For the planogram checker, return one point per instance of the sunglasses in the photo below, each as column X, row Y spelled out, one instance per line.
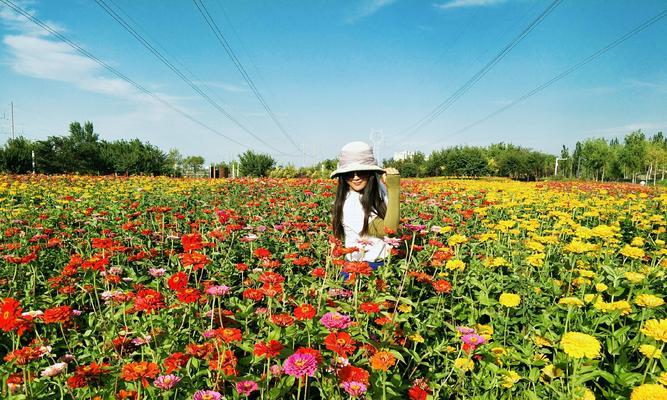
column 361, row 174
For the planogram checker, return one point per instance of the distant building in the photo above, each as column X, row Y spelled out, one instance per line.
column 403, row 155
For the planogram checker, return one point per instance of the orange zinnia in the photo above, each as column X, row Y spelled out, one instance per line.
column 382, row 360
column 140, row 370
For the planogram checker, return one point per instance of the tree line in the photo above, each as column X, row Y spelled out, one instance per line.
column 82, row 152
column 637, row 157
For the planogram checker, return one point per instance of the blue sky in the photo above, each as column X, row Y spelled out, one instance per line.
column 334, row 72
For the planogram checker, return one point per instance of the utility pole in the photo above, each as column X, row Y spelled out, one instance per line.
column 556, row 167
column 12, row 103
column 377, row 139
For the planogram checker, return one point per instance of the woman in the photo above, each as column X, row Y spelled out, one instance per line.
column 366, row 203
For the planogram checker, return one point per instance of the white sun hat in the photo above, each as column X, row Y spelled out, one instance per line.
column 356, row 156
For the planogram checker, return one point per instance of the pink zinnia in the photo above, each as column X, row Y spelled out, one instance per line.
column 300, row 365
column 354, row 388
column 335, row 320
column 207, row 395
column 166, row 382
column 246, row 387
column 219, row 290
column 473, row 339
column 276, row 370
column 464, row 330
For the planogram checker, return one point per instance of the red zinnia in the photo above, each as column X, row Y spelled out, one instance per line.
column 442, row 286
column 10, row 313
column 148, row 300
column 191, row 241
column 350, row 373
column 175, row 362
column 340, row 343
column 140, row 370
column 229, row 335
column 196, row 260
column 57, row 314
column 282, row 319
column 304, row 312
column 253, row 294
column 262, row 253
column 370, row 308
column 188, row 295
column 178, row 281
column 271, row 277
column 270, row 349
column 417, row 393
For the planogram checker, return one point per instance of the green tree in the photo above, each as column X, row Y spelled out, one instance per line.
column 17, row 156
column 255, row 164
column 596, row 157
column 633, row 155
column 193, row 164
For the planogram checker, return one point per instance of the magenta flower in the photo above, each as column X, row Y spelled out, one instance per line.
column 300, row 365
column 219, row 290
column 246, row 387
column 166, row 382
column 276, row 370
column 354, row 389
column 335, row 320
column 464, row 330
column 207, row 395
column 473, row 339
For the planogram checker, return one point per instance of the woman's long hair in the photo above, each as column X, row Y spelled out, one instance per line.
column 371, row 202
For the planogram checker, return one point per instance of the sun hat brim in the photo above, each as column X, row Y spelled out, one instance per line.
column 356, row 167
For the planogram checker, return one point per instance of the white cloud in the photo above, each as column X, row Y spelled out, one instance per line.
column 368, row 8
column 36, row 53
column 466, row 3
column 227, row 87
column 646, row 127
column 660, row 87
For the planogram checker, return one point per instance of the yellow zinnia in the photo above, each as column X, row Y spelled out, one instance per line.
column 650, row 351
column 656, row 329
column 550, row 372
column 578, row 345
column 634, row 277
column 456, row 240
column 649, row 300
column 509, row 379
column 570, row 301
column 662, row 379
column 455, row 265
column 464, row 364
column 510, row 299
column 632, row 252
column 584, row 394
column 649, row 391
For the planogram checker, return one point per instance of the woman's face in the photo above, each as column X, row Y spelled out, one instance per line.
column 357, row 180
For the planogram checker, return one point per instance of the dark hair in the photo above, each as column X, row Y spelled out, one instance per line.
column 371, row 201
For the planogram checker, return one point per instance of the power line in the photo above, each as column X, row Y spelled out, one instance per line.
column 447, row 103
column 565, row 73
column 239, row 66
column 178, row 72
column 114, row 71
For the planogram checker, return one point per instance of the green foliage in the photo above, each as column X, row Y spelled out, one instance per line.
column 255, row 164
column 193, row 164
column 16, row 156
column 134, row 157
column 82, row 152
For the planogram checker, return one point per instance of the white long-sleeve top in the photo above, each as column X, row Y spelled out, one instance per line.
column 370, row 248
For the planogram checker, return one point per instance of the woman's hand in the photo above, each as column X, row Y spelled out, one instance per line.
column 388, row 171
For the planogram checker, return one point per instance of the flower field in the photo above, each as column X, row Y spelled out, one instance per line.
column 158, row 288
